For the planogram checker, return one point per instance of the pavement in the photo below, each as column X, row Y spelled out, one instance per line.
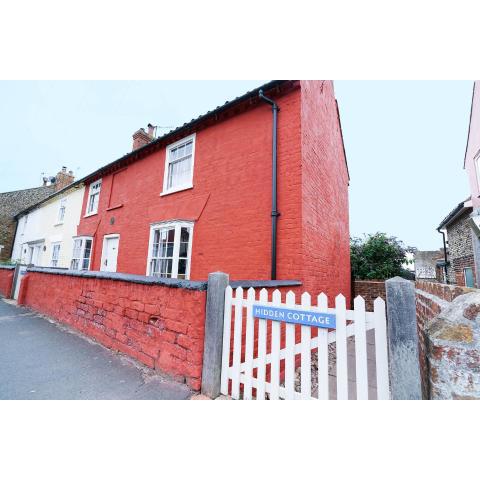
column 40, row 359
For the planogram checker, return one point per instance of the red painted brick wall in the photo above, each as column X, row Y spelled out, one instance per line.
column 325, row 229
column 162, row 327
column 6, row 279
column 231, row 198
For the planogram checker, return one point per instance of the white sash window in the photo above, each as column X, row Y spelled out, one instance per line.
column 170, row 250
column 179, row 166
column 82, row 250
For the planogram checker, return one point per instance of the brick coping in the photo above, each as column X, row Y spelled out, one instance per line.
column 124, row 277
column 265, row 283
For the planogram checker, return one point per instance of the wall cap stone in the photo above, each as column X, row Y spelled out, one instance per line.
column 124, row 277
column 7, row 267
column 265, row 283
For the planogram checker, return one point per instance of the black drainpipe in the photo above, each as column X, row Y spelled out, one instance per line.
column 275, row 213
column 444, row 254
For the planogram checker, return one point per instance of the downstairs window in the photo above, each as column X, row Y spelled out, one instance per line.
column 82, row 249
column 170, row 250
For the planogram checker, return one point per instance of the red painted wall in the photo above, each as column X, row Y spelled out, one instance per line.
column 6, row 279
column 231, row 198
column 160, row 326
column 325, row 223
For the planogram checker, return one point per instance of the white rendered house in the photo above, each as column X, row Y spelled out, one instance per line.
column 45, row 232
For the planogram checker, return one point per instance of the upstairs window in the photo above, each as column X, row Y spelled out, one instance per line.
column 55, row 254
column 93, row 197
column 82, row 250
column 179, row 166
column 170, row 250
column 61, row 210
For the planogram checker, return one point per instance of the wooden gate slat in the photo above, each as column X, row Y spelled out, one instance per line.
column 237, row 342
column 227, row 323
column 262, row 350
column 341, row 349
column 322, row 353
column 361, row 367
column 275, row 351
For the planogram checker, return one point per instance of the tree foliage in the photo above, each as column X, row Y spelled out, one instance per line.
column 378, row 257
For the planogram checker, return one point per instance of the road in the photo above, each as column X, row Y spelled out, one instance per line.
column 40, row 359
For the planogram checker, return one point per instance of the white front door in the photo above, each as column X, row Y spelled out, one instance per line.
column 110, row 253
column 34, row 253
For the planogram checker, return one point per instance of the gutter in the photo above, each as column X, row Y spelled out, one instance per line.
column 275, row 214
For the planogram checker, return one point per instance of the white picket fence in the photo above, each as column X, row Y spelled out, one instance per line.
column 237, row 371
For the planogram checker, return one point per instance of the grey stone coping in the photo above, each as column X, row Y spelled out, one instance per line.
column 7, row 267
column 124, row 277
column 265, row 283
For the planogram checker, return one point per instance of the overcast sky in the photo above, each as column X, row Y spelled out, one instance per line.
column 405, row 141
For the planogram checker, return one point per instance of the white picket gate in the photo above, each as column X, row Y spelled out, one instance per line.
column 350, row 325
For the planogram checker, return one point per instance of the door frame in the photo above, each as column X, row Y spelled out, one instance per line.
column 104, row 252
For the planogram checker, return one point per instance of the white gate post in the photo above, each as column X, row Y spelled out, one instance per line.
column 212, row 350
column 404, row 364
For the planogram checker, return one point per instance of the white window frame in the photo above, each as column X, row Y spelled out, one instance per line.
column 177, row 224
column 91, row 193
column 465, row 276
column 62, row 208
column 81, row 257
column 52, row 258
column 169, row 148
column 476, row 162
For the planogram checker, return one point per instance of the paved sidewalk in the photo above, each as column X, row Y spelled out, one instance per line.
column 44, row 360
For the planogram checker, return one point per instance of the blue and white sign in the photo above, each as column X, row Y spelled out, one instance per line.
column 302, row 317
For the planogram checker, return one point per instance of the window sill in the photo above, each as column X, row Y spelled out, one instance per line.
column 58, row 224
column 90, row 214
column 177, row 189
column 115, row 207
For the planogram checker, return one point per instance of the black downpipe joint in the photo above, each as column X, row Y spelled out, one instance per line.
column 275, row 214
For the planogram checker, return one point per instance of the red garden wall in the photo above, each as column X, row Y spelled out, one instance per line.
column 6, row 280
column 161, row 326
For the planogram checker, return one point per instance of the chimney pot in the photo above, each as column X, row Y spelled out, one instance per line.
column 141, row 138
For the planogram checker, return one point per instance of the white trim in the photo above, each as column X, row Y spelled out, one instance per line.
column 82, row 251
column 53, row 244
column 62, row 203
column 90, row 188
column 105, row 238
column 188, row 185
column 178, row 224
column 465, row 277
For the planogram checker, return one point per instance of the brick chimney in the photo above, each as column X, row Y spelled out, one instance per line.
column 141, row 137
column 63, row 178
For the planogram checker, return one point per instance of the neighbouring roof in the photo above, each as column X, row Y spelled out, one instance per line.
column 13, row 202
column 459, row 210
column 49, row 197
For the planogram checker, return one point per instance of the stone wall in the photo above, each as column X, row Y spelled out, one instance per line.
column 460, row 250
column 12, row 203
column 369, row 290
column 448, row 323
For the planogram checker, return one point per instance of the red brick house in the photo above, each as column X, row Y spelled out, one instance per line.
column 199, row 199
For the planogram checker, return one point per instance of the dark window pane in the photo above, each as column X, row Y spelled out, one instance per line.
column 183, row 249
column 182, row 267
column 184, row 234
column 171, row 235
